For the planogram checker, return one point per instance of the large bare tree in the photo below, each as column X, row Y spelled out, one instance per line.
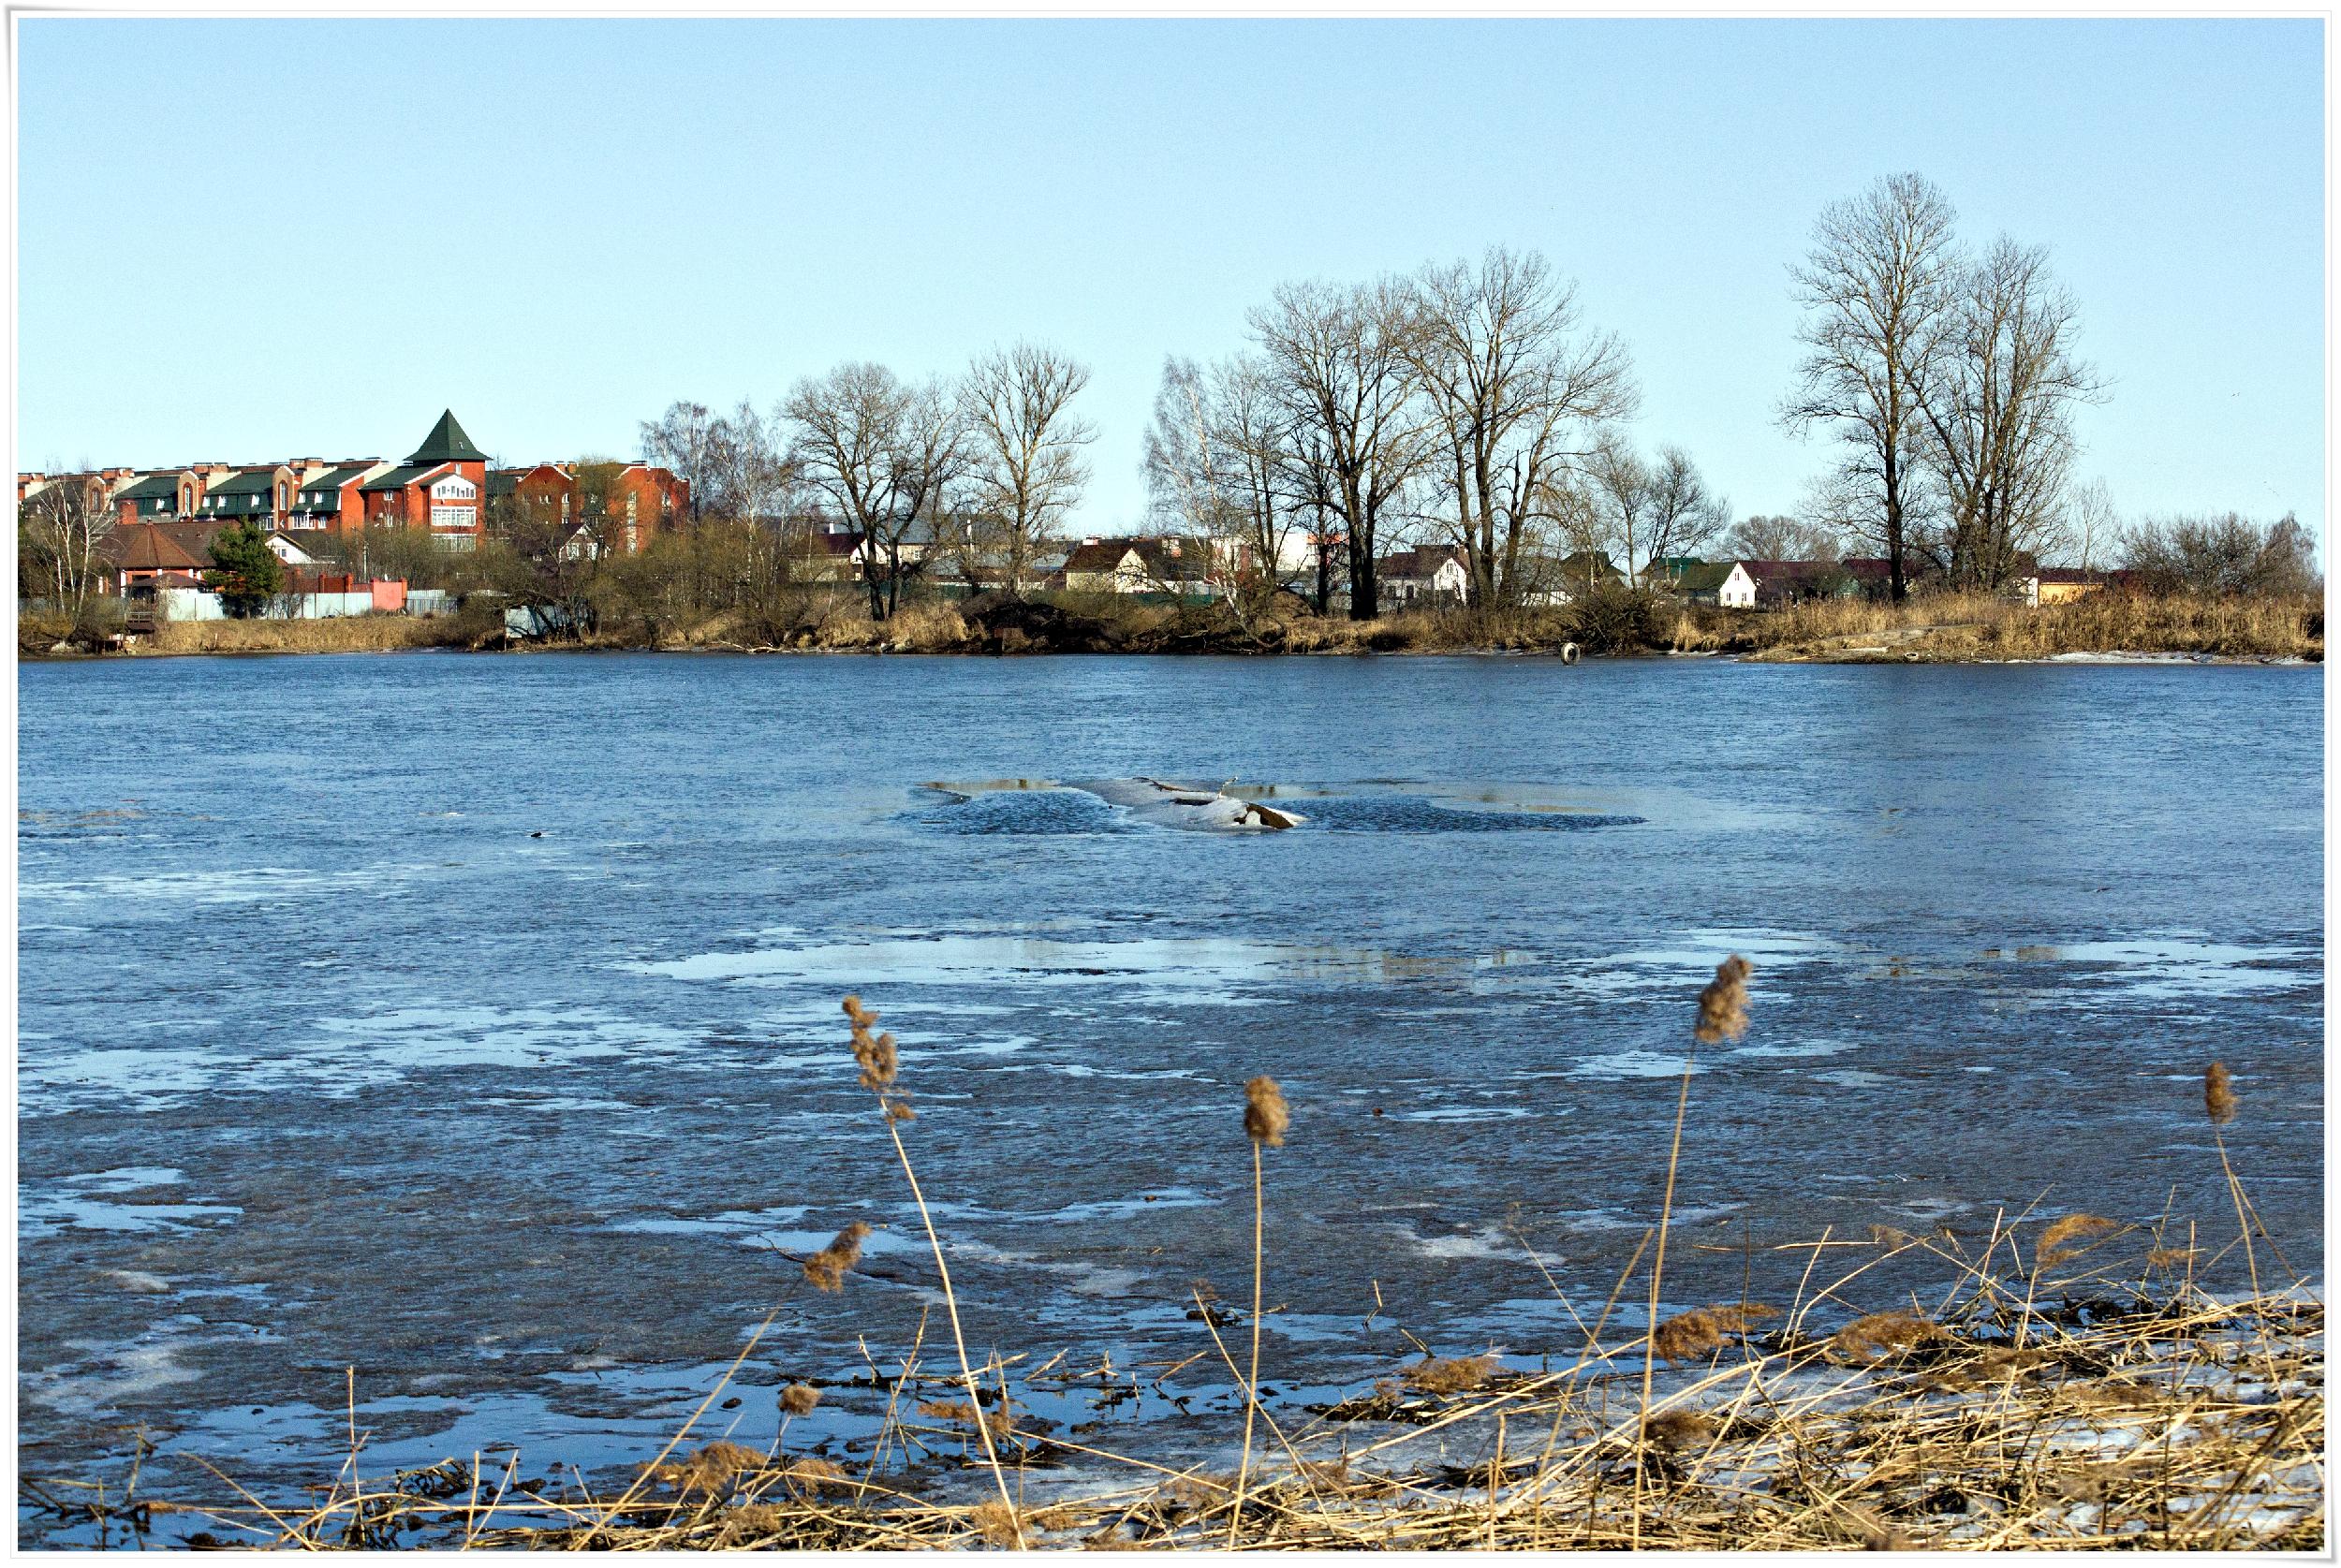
column 1026, row 469
column 1652, row 509
column 62, row 530
column 1997, row 391
column 1779, row 539
column 886, row 455
column 1514, row 384
column 1880, row 277
column 1220, row 468
column 683, row 441
column 1338, row 356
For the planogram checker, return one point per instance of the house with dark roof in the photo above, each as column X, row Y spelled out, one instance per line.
column 1788, row 582
column 440, row 487
column 1725, row 583
column 158, row 497
column 331, row 496
column 1421, row 576
column 1140, row 564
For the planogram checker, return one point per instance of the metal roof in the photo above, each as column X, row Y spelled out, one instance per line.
column 398, row 478
column 446, row 443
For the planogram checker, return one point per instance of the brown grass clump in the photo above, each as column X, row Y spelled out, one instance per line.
column 828, row 1268
column 812, row 1477
column 2218, row 1093
column 1680, row 1429
column 995, row 1521
column 799, row 1398
column 710, row 1470
column 1265, row 1115
column 2052, row 1246
column 1195, row 1493
column 1457, row 1374
column 1880, row 1334
column 1723, row 1005
column 1704, row 1330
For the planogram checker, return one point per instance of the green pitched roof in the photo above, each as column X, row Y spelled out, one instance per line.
column 155, row 486
column 327, row 487
column 446, row 443
column 1703, row 577
column 250, row 481
column 398, row 478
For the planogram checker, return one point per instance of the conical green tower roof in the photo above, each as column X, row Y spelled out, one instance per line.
column 446, row 443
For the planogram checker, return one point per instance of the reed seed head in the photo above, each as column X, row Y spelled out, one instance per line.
column 876, row 1055
column 799, row 1398
column 2053, row 1246
column 2218, row 1093
column 1723, row 1005
column 1265, row 1113
column 828, row 1268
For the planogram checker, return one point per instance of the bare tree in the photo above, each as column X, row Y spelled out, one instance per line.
column 1341, row 368
column 1779, row 539
column 683, row 440
column 1026, row 469
column 2091, row 523
column 62, row 532
column 2225, row 554
column 1219, row 468
column 1509, row 377
column 1879, row 277
column 1997, row 388
column 1650, row 511
column 885, row 455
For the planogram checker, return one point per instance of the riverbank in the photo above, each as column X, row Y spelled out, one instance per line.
column 1942, row 629
column 2150, row 1421
column 1965, row 629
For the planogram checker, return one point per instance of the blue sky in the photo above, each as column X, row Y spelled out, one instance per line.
column 249, row 239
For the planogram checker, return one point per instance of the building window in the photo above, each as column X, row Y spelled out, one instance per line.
column 455, row 543
column 451, row 516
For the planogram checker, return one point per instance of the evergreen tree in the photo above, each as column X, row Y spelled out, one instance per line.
column 244, row 572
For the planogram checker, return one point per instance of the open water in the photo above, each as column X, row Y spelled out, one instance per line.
column 473, row 1022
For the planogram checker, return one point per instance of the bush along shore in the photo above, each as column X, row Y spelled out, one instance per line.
column 2071, row 1380
column 1933, row 628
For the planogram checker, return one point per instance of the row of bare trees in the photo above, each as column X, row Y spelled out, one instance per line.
column 1949, row 380
column 980, row 471
column 1466, row 405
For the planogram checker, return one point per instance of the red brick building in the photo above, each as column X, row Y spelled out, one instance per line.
column 440, row 487
column 444, row 486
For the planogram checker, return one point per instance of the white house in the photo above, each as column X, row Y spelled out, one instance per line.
column 1425, row 575
column 1727, row 583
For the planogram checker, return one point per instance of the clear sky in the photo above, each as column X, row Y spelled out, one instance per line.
column 242, row 241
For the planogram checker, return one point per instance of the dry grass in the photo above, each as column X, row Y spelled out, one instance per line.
column 1456, row 1374
column 1952, row 627
column 2116, row 1404
column 352, row 634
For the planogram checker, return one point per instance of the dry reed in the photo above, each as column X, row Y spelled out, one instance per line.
column 2154, row 1415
